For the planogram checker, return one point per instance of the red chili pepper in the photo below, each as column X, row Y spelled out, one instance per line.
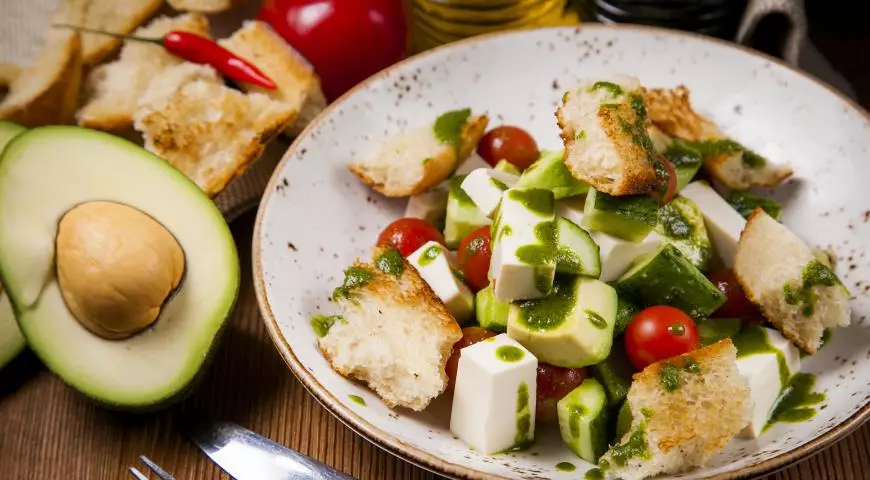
column 198, row 49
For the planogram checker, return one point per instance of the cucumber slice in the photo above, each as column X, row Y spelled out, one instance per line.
column 625, row 311
column 578, row 253
column 686, row 160
column 492, row 313
column 745, row 202
column 549, row 172
column 463, row 216
column 614, row 374
column 631, row 218
column 623, row 421
column 507, row 167
column 712, row 330
column 667, row 277
column 583, row 420
column 681, row 224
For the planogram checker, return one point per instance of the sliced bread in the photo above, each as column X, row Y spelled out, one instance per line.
column 109, row 16
column 393, row 334
column 796, row 292
column 684, row 410
column 205, row 6
column 670, row 110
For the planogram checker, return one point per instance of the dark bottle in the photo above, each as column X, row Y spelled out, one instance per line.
column 718, row 18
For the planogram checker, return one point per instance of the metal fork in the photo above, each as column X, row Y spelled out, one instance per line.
column 153, row 467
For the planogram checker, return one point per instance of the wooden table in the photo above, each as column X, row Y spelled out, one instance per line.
column 47, row 431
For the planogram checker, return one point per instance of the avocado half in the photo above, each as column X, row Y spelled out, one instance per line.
column 11, row 340
column 63, row 251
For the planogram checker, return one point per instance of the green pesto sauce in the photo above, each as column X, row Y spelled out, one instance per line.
column 322, row 323
column 458, row 193
column 565, row 467
column 569, row 259
column 476, row 245
column 357, row 400
column 545, row 251
column 548, row 313
column 674, row 223
column 429, row 255
column 509, row 353
column 593, row 474
column 354, row 277
column 670, row 377
column 753, row 341
column 458, row 273
column 724, row 146
column 677, row 329
column 746, row 202
column 498, row 184
column 796, row 402
column 641, row 208
column 681, row 154
column 826, row 337
column 611, row 87
column 635, row 446
column 646, row 412
column 575, row 415
column 537, row 200
column 753, row 160
column 595, row 319
column 524, row 417
column 448, row 127
column 390, row 261
column 690, row 365
column 581, row 135
column 815, row 274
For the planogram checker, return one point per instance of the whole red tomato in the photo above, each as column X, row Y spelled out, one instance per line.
column 345, row 40
column 470, row 336
column 553, row 384
column 736, row 304
column 659, row 332
column 409, row 234
column 509, row 143
column 474, row 257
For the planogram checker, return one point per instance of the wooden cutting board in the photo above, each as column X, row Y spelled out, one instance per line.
column 47, row 431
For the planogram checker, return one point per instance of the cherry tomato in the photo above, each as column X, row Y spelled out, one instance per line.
column 470, row 336
column 659, row 332
column 736, row 304
column 508, row 143
column 553, row 384
column 474, row 257
column 668, row 190
column 409, row 234
column 345, row 41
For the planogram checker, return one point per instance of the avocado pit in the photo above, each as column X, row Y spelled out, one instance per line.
column 116, row 267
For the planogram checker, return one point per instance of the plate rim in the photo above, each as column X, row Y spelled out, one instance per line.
column 428, row 461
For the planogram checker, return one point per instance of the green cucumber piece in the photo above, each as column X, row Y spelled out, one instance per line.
column 492, row 313
column 463, row 216
column 507, row 167
column 577, row 254
column 583, row 420
column 614, row 374
column 549, row 172
column 623, row 421
column 631, row 218
column 625, row 311
column 686, row 159
column 666, row 277
column 712, row 330
column 745, row 202
column 681, row 224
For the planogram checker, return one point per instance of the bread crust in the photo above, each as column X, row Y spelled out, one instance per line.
column 671, row 111
column 205, row 6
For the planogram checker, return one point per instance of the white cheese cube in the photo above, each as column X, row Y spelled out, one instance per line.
column 434, row 263
column 484, row 187
column 571, row 208
column 524, row 214
column 723, row 223
column 494, row 401
column 430, row 205
column 762, row 374
column 471, row 164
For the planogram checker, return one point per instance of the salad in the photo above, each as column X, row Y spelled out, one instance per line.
column 626, row 286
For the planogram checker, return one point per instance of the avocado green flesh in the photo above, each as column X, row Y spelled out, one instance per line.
column 11, row 340
column 43, row 174
column 583, row 420
column 507, row 167
column 550, row 173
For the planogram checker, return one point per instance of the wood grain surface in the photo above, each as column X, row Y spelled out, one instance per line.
column 47, row 431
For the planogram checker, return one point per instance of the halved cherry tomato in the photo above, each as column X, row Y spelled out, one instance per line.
column 553, row 384
column 409, row 234
column 470, row 336
column 474, row 257
column 736, row 304
column 659, row 332
column 508, row 143
column 668, row 189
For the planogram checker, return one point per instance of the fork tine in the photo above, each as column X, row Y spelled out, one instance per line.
column 155, row 468
column 136, row 474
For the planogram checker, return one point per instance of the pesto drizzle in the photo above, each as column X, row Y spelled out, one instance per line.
column 593, row 474
column 635, row 446
column 795, row 403
column 357, row 400
column 595, row 319
column 544, row 314
column 354, row 277
column 390, row 261
column 322, row 323
column 724, row 146
column 565, row 467
column 524, row 417
column 815, row 273
column 509, row 353
column 429, row 255
column 611, row 87
column 448, row 126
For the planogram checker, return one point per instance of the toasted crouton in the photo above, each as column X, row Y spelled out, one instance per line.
column 670, row 110
column 394, row 334
column 739, row 168
column 795, row 291
column 208, row 131
column 116, row 87
column 8, row 73
column 603, row 127
column 684, row 410
column 204, row 6
column 108, row 16
column 46, row 92
column 298, row 85
column 411, row 162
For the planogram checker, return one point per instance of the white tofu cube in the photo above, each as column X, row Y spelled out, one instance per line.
column 434, row 263
column 494, row 401
column 430, row 205
column 515, row 229
column 471, row 164
column 723, row 223
column 571, row 208
column 762, row 374
column 484, row 186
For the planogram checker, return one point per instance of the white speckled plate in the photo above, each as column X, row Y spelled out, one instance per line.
column 316, row 218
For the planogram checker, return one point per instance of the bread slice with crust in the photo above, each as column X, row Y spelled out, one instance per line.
column 394, row 333
column 684, row 410
column 411, row 162
column 797, row 293
column 8, row 73
column 205, row 6
column 298, row 85
column 208, row 131
column 108, row 16
column 670, row 110
column 603, row 125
